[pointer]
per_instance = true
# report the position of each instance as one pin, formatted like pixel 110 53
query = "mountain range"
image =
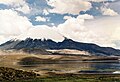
pixel 42 45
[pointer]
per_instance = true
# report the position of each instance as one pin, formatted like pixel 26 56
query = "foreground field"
pixel 58 68
pixel 75 78
pixel 13 75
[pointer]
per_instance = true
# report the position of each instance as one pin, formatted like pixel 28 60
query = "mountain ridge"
pixel 65 44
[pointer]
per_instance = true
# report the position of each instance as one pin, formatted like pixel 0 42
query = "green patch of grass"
pixel 76 78
pixel 69 79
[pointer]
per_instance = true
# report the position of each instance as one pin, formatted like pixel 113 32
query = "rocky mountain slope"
pixel 52 45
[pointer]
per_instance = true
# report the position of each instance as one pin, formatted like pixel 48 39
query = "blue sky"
pixel 91 21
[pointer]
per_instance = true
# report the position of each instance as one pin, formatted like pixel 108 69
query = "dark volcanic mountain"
pixel 65 44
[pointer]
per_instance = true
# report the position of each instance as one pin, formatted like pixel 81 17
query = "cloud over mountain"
pixel 107 29
pixel 42 32
pixel 12 24
pixel 74 28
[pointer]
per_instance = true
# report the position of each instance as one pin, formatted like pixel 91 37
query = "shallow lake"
pixel 75 66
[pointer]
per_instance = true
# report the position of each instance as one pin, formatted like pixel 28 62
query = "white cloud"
pixel 99 0
pixel 42 32
pixel 45 12
pixel 74 28
pixel 11 2
pixel 67 17
pixel 85 16
pixel 39 18
pixel 2 39
pixel 15 26
pixel 19 5
pixel 102 31
pixel 12 24
pixel 107 30
pixel 69 6
pixel 108 11
pixel 24 8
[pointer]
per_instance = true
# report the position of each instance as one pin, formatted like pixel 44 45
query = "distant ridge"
pixel 65 44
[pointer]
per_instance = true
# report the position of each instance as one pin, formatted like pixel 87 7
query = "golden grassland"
pixel 12 75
